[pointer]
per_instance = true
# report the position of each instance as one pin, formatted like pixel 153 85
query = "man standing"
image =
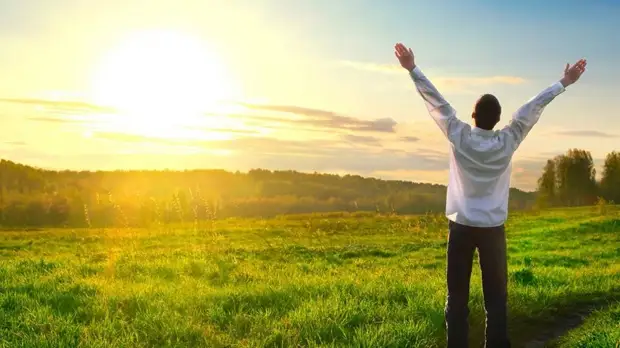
pixel 477 197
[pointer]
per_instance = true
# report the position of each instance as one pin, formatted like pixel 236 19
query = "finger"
pixel 581 68
pixel 410 51
pixel 566 68
pixel 401 49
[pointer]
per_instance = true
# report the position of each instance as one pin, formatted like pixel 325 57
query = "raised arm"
pixel 524 119
pixel 440 110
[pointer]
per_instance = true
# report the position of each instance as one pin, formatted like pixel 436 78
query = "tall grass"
pixel 342 279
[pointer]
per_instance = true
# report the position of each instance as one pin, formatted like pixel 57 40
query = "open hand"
pixel 405 56
pixel 573 73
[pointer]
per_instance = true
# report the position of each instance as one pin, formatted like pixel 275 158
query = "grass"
pixel 311 281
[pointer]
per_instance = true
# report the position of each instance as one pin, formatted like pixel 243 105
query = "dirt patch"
pixel 563 325
pixel 567 322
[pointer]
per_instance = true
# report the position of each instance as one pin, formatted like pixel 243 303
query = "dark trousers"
pixel 491 245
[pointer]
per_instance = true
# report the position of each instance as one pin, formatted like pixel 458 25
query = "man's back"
pixel 480 159
pixel 480 167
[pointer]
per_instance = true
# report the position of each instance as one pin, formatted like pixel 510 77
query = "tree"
pixel 575 178
pixel 610 181
pixel 58 211
pixel 547 185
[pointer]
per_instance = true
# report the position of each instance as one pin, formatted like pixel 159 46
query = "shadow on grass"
pixel 557 318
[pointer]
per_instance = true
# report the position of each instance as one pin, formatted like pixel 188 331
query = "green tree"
pixel 575 178
pixel 547 185
pixel 610 181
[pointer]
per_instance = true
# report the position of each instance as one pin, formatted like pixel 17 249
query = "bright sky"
pixel 304 85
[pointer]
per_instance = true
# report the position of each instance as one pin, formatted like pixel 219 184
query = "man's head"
pixel 487 112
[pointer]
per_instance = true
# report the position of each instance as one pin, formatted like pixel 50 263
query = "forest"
pixel 569 180
pixel 33 197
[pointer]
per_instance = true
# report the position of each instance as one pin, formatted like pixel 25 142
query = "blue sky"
pixel 317 78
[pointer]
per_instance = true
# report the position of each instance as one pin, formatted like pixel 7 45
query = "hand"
pixel 573 73
pixel 405 56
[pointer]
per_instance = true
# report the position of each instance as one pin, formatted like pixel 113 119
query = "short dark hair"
pixel 487 112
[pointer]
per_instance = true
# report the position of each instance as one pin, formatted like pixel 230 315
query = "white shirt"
pixel 480 160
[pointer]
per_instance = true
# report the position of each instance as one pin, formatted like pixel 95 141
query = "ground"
pixel 356 280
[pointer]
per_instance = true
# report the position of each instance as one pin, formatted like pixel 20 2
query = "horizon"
pixel 187 87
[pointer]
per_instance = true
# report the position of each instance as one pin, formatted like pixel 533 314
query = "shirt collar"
pixel 483 132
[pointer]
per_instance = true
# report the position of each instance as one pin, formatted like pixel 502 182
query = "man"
pixel 477 197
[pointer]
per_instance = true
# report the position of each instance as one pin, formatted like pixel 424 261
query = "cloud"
pixel 320 155
pixel 362 139
pixel 329 154
pixel 274 116
pixel 62 111
pixel 56 120
pixel 221 130
pixel 61 105
pixel 586 133
pixel 134 138
pixel 321 118
pixel 443 82
pixel 292 109
pixel 247 144
pixel 15 143
pixel 410 139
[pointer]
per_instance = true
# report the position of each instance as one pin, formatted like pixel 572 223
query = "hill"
pixel 36 197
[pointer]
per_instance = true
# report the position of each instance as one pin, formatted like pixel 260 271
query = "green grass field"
pixel 325 280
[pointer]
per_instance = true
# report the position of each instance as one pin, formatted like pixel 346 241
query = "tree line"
pixel 570 180
pixel 33 197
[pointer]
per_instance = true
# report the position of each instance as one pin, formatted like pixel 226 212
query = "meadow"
pixel 325 280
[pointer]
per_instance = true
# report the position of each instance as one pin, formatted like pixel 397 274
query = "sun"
pixel 160 79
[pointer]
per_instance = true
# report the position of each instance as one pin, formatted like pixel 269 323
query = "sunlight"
pixel 160 81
